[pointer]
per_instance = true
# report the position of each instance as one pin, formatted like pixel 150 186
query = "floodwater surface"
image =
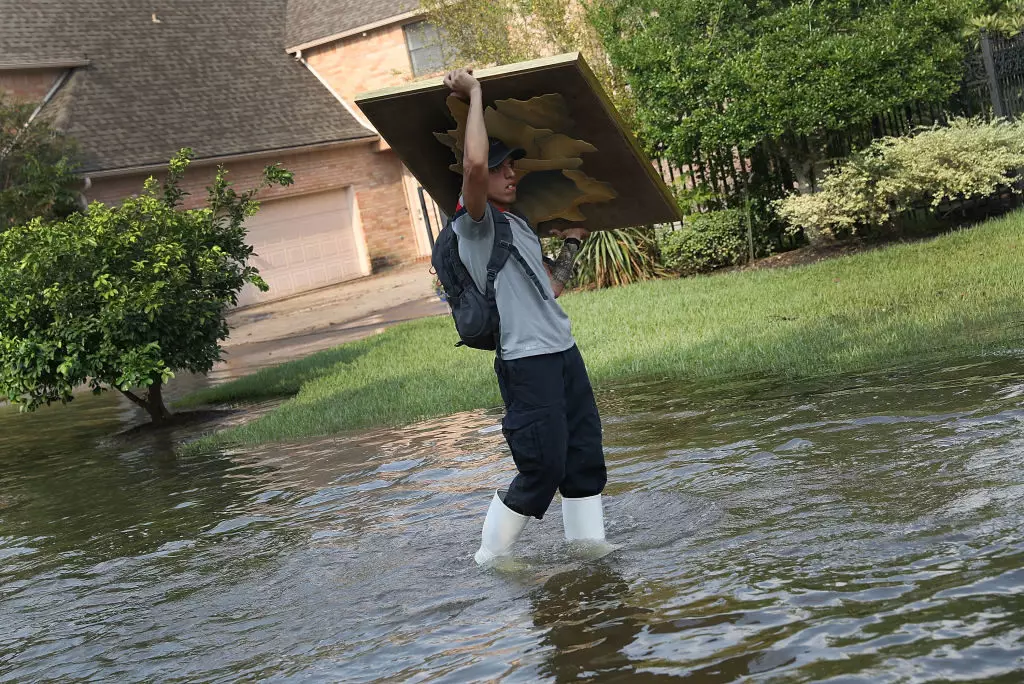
pixel 855 530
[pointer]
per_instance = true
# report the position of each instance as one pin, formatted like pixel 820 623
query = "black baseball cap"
pixel 499 152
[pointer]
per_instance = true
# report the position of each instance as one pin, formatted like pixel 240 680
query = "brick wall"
pixel 28 85
pixel 370 61
pixel 376 176
pixel 378 59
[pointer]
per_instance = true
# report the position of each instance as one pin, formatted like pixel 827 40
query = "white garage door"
pixel 302 243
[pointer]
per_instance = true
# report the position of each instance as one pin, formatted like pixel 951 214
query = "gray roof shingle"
pixel 207 74
pixel 311 20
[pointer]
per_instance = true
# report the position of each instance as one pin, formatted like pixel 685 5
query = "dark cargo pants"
pixel 553 429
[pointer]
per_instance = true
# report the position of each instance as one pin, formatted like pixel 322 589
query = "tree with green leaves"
pixel 724 74
pixel 124 297
pixel 483 33
pixel 37 166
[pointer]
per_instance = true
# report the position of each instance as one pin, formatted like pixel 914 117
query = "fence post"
pixel 750 226
pixel 993 76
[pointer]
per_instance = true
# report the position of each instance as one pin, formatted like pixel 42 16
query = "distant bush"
pixel 37 165
pixel 708 241
pixel 969 158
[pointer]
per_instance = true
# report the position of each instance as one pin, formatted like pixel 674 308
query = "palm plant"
pixel 618 257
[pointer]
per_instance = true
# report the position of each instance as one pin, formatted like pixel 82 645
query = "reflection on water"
pixel 864 529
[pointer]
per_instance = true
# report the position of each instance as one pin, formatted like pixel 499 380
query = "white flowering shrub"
pixel 969 158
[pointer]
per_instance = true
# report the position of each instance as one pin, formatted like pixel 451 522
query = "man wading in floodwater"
pixel 551 421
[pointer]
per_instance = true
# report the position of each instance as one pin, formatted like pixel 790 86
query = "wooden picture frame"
pixel 408 117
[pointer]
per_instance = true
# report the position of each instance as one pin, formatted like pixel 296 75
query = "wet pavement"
pixel 282 331
pixel 337 306
pixel 244 358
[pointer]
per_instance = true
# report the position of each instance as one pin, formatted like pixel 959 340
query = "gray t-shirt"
pixel 530 326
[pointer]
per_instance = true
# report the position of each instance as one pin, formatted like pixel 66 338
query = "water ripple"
pixel 862 530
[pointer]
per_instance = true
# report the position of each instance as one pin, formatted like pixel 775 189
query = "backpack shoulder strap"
pixel 504 248
pixel 459 213
pixel 499 249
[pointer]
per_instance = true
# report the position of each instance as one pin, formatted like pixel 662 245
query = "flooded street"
pixel 867 529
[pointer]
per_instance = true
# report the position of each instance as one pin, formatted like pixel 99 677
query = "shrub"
pixel 707 241
pixel 36 168
pixel 617 257
pixel 124 296
pixel 967 159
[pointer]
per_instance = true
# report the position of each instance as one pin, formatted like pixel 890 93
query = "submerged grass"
pixel 960 293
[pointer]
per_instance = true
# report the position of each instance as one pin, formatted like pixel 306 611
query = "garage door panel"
pixel 323 273
pixel 277 257
pixel 310 251
pixel 303 243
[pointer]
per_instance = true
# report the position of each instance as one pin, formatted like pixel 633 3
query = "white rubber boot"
pixel 502 528
pixel 583 519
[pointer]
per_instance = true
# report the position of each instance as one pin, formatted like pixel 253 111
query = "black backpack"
pixel 476 312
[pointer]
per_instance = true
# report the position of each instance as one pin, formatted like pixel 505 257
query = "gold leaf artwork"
pixel 506 128
pixel 547 196
pixel 528 165
pixel 552 184
pixel 544 111
pixel 561 146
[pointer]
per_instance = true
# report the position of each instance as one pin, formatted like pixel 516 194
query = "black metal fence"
pixel 1002 63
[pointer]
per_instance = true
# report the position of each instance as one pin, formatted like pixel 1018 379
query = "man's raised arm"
pixel 474 159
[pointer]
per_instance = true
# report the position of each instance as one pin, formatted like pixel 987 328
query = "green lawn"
pixel 958 294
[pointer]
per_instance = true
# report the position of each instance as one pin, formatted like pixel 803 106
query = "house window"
pixel 426 48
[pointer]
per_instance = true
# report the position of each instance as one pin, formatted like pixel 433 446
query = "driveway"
pixel 272 333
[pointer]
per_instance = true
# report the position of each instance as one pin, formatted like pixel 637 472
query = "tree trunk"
pixel 806 157
pixel 153 403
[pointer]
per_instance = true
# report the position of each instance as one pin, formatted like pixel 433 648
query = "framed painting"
pixel 582 164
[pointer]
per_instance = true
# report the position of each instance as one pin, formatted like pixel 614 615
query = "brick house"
pixel 355 46
pixel 243 86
